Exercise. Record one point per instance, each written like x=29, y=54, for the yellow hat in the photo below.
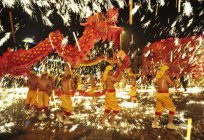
x=161, y=72
x=44, y=72
x=164, y=68
x=32, y=72
x=69, y=72
x=108, y=68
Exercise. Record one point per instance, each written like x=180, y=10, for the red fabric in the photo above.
x=124, y=65
x=107, y=111
x=158, y=113
x=96, y=28
x=40, y=109
x=184, y=56
x=110, y=90
x=45, y=108
x=20, y=62
x=171, y=112
x=133, y=96
x=67, y=113
x=116, y=112
x=165, y=91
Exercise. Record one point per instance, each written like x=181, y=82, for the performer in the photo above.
x=51, y=84
x=133, y=92
x=79, y=82
x=184, y=81
x=92, y=83
x=162, y=97
x=43, y=95
x=110, y=96
x=32, y=92
x=66, y=102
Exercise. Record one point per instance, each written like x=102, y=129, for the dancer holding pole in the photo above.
x=162, y=97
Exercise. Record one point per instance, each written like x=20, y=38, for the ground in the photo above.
x=134, y=119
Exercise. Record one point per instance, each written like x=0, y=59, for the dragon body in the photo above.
x=97, y=27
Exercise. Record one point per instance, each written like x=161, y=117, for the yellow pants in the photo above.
x=31, y=97
x=43, y=100
x=164, y=101
x=123, y=84
x=111, y=102
x=133, y=91
x=79, y=86
x=66, y=103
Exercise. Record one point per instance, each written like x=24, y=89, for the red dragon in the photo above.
x=97, y=27
x=185, y=56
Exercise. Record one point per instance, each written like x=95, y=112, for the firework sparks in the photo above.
x=135, y=9
x=89, y=115
x=188, y=9
x=1, y=26
x=145, y=25
x=5, y=38
x=162, y=2
x=64, y=8
x=77, y=41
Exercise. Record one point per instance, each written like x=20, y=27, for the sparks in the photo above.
x=135, y=9
x=188, y=9
x=64, y=8
x=77, y=41
x=5, y=38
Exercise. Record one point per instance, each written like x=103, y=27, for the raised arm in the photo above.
x=116, y=79
x=168, y=79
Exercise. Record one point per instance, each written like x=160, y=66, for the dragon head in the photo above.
x=112, y=16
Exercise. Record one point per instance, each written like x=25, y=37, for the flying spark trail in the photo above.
x=5, y=38
x=135, y=9
x=188, y=9
x=162, y=2
x=51, y=42
x=63, y=8
x=1, y=27
x=79, y=48
x=74, y=127
x=145, y=25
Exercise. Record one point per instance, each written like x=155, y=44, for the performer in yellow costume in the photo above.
x=110, y=96
x=66, y=102
x=162, y=97
x=133, y=92
x=43, y=95
x=32, y=92
x=92, y=83
x=79, y=82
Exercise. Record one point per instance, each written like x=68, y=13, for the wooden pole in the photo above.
x=157, y=6
x=189, y=126
x=121, y=40
x=12, y=27
x=179, y=6
x=176, y=3
x=149, y=4
x=171, y=56
x=131, y=4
